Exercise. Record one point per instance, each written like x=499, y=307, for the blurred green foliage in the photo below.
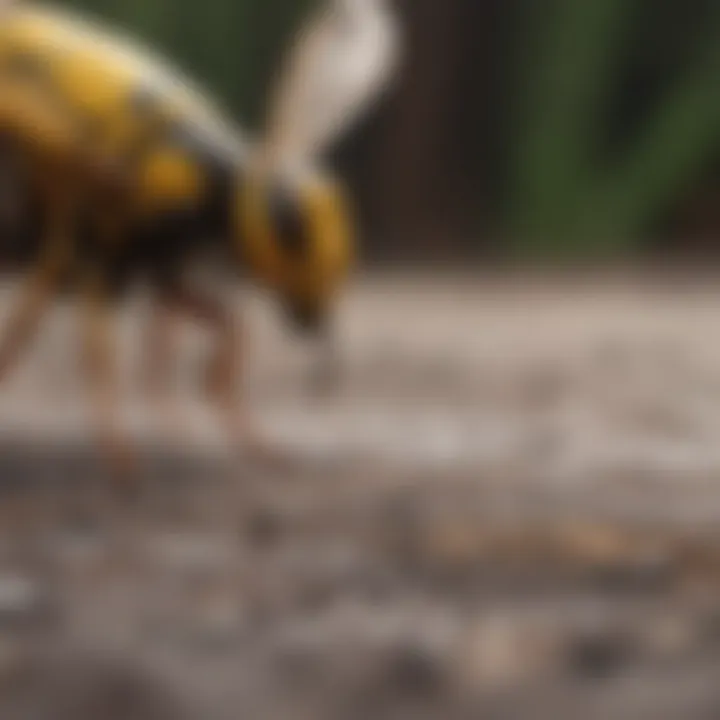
x=574, y=194
x=587, y=175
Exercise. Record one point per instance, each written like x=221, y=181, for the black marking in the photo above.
x=159, y=248
x=219, y=174
x=288, y=221
x=305, y=318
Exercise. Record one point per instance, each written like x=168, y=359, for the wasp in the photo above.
x=114, y=168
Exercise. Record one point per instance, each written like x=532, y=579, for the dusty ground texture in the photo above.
x=509, y=511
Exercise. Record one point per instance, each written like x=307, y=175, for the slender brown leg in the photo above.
x=25, y=318
x=102, y=376
x=24, y=321
x=226, y=368
x=160, y=355
x=158, y=341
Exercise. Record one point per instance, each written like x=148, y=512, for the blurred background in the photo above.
x=510, y=508
x=523, y=129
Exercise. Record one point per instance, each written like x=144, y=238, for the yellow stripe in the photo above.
x=315, y=276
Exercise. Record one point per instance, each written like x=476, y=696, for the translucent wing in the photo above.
x=341, y=62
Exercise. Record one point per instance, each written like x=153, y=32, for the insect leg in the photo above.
x=26, y=315
x=101, y=370
x=159, y=347
x=225, y=372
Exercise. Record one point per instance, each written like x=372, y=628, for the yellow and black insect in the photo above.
x=114, y=167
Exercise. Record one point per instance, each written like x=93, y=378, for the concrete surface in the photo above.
x=508, y=511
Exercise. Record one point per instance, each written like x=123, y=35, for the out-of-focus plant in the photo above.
x=569, y=198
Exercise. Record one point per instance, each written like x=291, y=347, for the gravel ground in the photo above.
x=508, y=511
